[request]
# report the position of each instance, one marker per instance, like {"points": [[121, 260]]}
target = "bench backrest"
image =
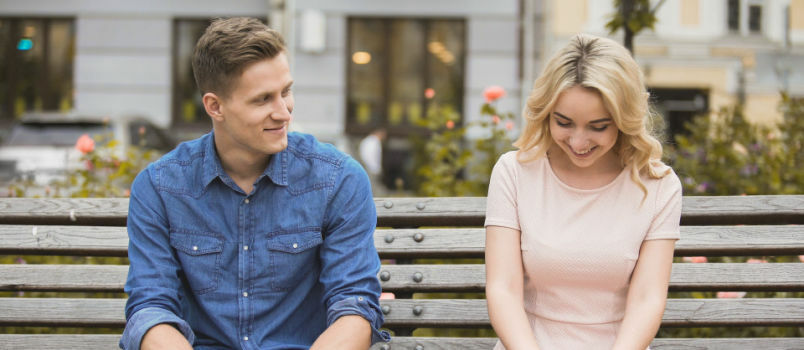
{"points": [[412, 232]]}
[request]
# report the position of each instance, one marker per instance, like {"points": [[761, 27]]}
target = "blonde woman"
{"points": [[582, 219]]}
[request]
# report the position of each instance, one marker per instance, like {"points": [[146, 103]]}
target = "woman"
{"points": [[582, 220]]}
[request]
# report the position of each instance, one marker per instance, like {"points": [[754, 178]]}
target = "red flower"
{"points": [[495, 119], [429, 93], [85, 144], [387, 296], [756, 261], [492, 93], [509, 125], [450, 124]]}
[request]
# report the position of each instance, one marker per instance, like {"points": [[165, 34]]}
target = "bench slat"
{"points": [[436, 312], [407, 212], [109, 341], [435, 278], [442, 243]]}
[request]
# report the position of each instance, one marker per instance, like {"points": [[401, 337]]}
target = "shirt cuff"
{"points": [[141, 321], [359, 306]]}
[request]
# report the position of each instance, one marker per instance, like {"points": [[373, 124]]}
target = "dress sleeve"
{"points": [[501, 204], [667, 215]]}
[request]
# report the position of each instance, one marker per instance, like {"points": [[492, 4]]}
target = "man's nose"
{"points": [[281, 110]]}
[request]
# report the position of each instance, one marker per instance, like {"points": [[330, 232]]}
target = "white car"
{"points": [[41, 146]]}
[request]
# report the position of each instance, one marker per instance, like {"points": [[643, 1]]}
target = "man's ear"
{"points": [[212, 104]]}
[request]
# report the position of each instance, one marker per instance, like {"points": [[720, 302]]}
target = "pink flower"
{"points": [[429, 93], [509, 125], [492, 93], [85, 144], [801, 257], [387, 296], [495, 119], [756, 261], [730, 295], [450, 124], [127, 193], [695, 259], [88, 164]]}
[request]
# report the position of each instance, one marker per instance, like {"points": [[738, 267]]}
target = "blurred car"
{"points": [[41, 146]]}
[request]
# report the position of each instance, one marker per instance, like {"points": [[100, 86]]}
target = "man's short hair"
{"points": [[227, 47]]}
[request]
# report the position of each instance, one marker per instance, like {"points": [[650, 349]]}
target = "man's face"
{"points": [[257, 112]]}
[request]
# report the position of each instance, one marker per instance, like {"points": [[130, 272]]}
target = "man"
{"points": [[251, 237]]}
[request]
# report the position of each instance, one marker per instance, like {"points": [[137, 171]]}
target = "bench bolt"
{"points": [[388, 205], [385, 347], [386, 309], [420, 205], [417, 310], [417, 277], [419, 347], [385, 275], [389, 238], [418, 237]]}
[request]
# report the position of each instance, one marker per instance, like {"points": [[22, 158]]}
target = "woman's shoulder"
{"points": [[667, 179]]}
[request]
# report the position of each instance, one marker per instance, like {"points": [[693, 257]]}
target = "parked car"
{"points": [[41, 146]]}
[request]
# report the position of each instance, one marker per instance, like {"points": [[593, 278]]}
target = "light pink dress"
{"points": [[579, 247]]}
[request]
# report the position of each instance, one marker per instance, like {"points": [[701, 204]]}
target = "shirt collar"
{"points": [[276, 169]]}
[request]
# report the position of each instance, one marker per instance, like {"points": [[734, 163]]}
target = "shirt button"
{"points": [[247, 201], [295, 245], [245, 294], [360, 298], [245, 338], [245, 247], [195, 247]]}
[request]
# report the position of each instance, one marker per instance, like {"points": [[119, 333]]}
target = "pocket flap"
{"points": [[295, 242], [196, 244]]}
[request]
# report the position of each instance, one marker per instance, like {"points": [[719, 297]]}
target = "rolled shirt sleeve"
{"points": [[349, 260], [153, 283]]}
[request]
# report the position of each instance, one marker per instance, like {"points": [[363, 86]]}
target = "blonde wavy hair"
{"points": [[607, 67]]}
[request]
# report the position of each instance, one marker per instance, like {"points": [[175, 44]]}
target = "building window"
{"points": [[36, 66], [755, 18], [734, 15], [392, 62], [678, 107], [188, 110]]}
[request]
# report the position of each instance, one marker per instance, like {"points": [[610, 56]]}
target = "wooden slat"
{"points": [[441, 243], [679, 312], [434, 278], [64, 211], [109, 341], [63, 278], [435, 312], [413, 212], [445, 343], [59, 341], [63, 240]]}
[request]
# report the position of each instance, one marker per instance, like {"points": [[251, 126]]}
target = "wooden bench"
{"points": [[412, 229]]}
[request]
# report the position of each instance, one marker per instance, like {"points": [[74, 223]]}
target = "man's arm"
{"points": [[153, 283], [349, 264]]}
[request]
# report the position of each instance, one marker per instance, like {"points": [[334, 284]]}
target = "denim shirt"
{"points": [[270, 269]]}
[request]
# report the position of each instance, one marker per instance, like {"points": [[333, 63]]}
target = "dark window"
{"points": [[36, 66], [679, 106], [755, 18], [188, 110], [392, 62], [734, 15]]}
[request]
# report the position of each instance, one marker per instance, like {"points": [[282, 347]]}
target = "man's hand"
{"points": [[348, 332], [164, 336]]}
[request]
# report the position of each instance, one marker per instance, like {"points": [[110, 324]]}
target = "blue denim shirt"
{"points": [[270, 269]]}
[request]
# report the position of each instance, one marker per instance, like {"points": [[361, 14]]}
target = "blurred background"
{"points": [[363, 65]]}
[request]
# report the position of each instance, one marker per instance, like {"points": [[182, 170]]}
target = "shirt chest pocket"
{"points": [[200, 258], [293, 259]]}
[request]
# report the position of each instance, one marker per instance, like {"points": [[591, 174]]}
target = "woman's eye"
{"points": [[600, 128], [562, 124]]}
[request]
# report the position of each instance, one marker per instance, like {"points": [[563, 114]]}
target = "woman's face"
{"points": [[582, 128]]}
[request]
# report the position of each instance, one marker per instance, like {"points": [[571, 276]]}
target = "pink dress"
{"points": [[579, 247]]}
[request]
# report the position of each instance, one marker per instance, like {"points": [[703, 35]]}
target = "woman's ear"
{"points": [[212, 104]]}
